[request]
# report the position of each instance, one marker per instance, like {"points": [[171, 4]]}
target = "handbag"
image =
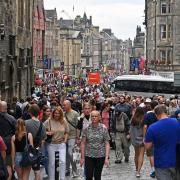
{"points": [[30, 155], [49, 137]]}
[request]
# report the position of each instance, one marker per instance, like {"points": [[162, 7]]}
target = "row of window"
{"points": [[165, 6], [165, 32], [164, 55]]}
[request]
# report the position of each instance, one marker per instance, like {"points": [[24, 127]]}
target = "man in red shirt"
{"points": [[2, 148], [4, 172]]}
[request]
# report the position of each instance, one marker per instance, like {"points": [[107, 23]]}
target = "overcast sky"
{"points": [[122, 16]]}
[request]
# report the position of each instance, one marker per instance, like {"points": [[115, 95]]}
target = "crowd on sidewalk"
{"points": [[94, 119]]}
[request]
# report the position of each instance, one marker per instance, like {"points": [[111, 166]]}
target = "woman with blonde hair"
{"points": [[57, 127], [18, 143], [136, 133]]}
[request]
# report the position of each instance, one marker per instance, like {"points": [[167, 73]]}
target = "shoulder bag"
{"points": [[49, 137], [30, 155], [70, 122]]}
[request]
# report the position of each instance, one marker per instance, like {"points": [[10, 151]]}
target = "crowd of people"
{"points": [[96, 120]]}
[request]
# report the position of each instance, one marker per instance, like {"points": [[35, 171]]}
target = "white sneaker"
{"points": [[137, 175]]}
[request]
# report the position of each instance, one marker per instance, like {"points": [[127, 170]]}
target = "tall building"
{"points": [[162, 20], [52, 40], [15, 48], [70, 47], [38, 33], [138, 43]]}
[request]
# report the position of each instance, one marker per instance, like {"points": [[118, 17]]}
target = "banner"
{"points": [[94, 78]]}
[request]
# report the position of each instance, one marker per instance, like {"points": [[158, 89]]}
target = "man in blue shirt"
{"points": [[164, 136]]}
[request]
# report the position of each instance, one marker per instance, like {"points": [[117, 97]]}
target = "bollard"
{"points": [[56, 165]]}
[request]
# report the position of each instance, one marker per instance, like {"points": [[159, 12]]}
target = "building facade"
{"points": [[52, 39], [163, 35], [139, 43], [15, 48], [70, 51], [38, 34]]}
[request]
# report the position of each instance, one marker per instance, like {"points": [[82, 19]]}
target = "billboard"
{"points": [[94, 78]]}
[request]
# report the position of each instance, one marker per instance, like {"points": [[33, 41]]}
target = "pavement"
{"points": [[123, 171]]}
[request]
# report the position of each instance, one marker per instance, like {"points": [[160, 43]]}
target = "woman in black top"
{"points": [[18, 143]]}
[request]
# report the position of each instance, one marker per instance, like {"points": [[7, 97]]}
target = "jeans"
{"points": [[94, 167], [69, 156], [52, 148], [18, 159], [166, 174]]}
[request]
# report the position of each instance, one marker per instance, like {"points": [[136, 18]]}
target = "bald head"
{"points": [[3, 106], [67, 105]]}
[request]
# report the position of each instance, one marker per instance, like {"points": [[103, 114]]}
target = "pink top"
{"points": [[105, 118]]}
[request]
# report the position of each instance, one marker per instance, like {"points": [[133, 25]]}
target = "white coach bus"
{"points": [[145, 83]]}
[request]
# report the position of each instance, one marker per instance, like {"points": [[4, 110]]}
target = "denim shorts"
{"points": [[18, 159]]}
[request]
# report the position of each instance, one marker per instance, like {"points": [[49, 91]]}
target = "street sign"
{"points": [[177, 79]]}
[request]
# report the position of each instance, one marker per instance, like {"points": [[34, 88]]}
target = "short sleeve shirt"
{"points": [[58, 128], [32, 126], [2, 145], [150, 118], [164, 134], [72, 117], [96, 138]]}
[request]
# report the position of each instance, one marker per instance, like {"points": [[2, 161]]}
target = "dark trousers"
{"points": [[93, 168]]}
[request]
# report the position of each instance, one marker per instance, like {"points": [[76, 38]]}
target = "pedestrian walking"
{"points": [[72, 119], [149, 119], [7, 130], [95, 148], [34, 126], [164, 135], [18, 143], [136, 133], [57, 127]]}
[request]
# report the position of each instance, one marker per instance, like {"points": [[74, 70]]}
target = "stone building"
{"points": [[15, 48], [84, 25], [52, 39], [96, 48], [138, 43], [162, 20], [70, 50], [110, 51], [38, 34]]}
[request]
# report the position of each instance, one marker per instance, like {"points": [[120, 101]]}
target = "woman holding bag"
{"points": [[18, 143], [57, 127]]}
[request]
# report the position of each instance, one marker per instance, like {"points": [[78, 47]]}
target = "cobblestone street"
{"points": [[123, 171]]}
